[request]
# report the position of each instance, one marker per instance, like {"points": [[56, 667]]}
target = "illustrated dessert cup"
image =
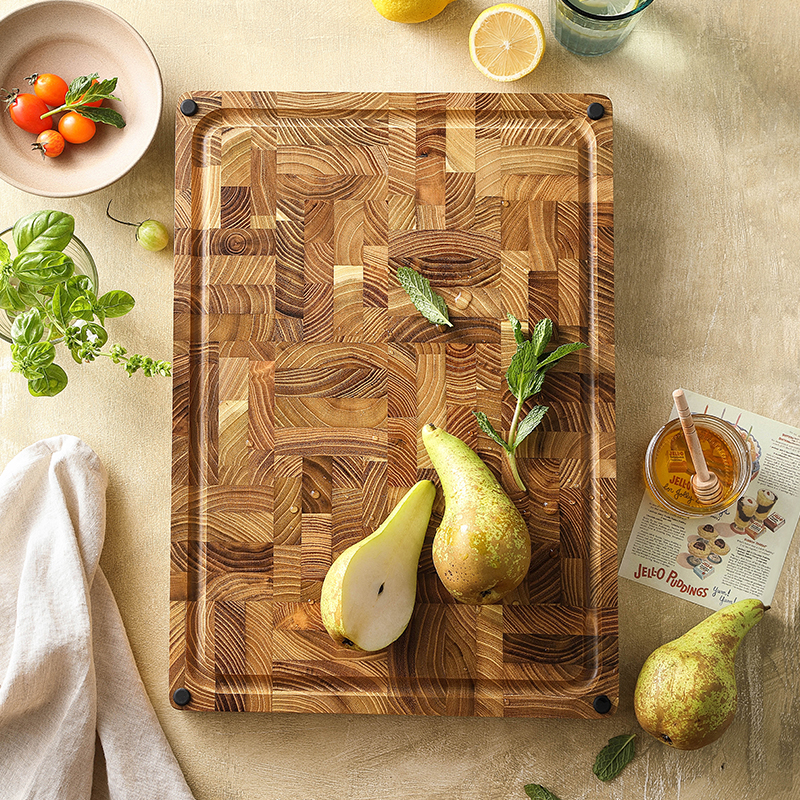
{"points": [[745, 511], [766, 500]]}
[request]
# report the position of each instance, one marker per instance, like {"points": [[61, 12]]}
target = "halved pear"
{"points": [[369, 592]]}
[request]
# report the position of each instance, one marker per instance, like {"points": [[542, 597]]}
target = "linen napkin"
{"points": [[68, 675]]}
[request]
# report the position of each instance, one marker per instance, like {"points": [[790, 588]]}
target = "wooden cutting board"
{"points": [[303, 376]]}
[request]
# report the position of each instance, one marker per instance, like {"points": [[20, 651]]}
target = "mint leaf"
{"points": [[425, 300], [541, 335], [538, 792], [560, 352], [101, 114], [531, 421], [488, 429], [519, 336], [614, 757], [79, 87], [521, 374]]}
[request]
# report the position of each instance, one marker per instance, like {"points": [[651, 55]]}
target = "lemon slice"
{"points": [[506, 42]]}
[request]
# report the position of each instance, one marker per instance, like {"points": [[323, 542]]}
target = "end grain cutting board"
{"points": [[303, 376]]}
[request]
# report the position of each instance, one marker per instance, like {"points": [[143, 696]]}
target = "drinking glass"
{"points": [[594, 27]]}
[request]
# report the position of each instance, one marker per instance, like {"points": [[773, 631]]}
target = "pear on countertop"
{"points": [[369, 592], [482, 548], [686, 693]]}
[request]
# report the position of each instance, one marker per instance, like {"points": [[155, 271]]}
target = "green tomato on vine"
{"points": [[151, 234]]}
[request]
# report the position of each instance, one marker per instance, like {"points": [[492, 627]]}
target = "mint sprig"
{"points": [[525, 378], [431, 305]]}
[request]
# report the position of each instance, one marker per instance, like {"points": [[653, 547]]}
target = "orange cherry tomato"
{"points": [[49, 88], [75, 128], [51, 143]]}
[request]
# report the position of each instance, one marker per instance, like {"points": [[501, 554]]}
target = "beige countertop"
{"points": [[706, 119]]}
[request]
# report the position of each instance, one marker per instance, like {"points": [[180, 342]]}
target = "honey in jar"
{"points": [[668, 467]]}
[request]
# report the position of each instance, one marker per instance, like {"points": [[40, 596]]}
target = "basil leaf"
{"points": [[82, 308], [425, 300], [5, 253], [27, 328], [50, 384], [43, 230], [94, 333], [79, 284], [41, 268], [614, 757], [537, 792], [10, 299], [488, 429], [540, 336], [40, 355], [28, 294], [116, 303], [531, 421], [60, 312], [560, 352], [102, 114]]}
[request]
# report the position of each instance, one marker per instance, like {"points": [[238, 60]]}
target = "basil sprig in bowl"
{"points": [[49, 297]]}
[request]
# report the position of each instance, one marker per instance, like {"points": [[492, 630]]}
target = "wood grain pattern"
{"points": [[303, 375]]}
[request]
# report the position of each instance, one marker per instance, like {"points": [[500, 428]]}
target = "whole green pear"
{"points": [[685, 695], [482, 548]]}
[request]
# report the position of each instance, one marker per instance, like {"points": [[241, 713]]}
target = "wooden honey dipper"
{"points": [[706, 485]]}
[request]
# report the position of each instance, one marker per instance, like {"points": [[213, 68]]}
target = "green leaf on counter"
{"points": [[537, 792], [431, 305], [614, 757]]}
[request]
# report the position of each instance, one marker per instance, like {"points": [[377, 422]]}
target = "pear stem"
{"points": [[511, 452]]}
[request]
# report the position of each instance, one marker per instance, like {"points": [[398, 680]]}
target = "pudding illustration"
{"points": [[766, 500], [745, 511]]}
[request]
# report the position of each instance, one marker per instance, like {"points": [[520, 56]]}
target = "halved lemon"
{"points": [[506, 42]]}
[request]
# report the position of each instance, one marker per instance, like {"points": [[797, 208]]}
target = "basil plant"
{"points": [[50, 305]]}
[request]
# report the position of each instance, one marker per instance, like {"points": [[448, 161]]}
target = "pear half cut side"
{"points": [[369, 592]]}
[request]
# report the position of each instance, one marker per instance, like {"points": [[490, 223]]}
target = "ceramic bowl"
{"points": [[72, 38]]}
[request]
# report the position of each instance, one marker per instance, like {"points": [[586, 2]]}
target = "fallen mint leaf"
{"points": [[537, 792], [614, 757], [425, 300]]}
